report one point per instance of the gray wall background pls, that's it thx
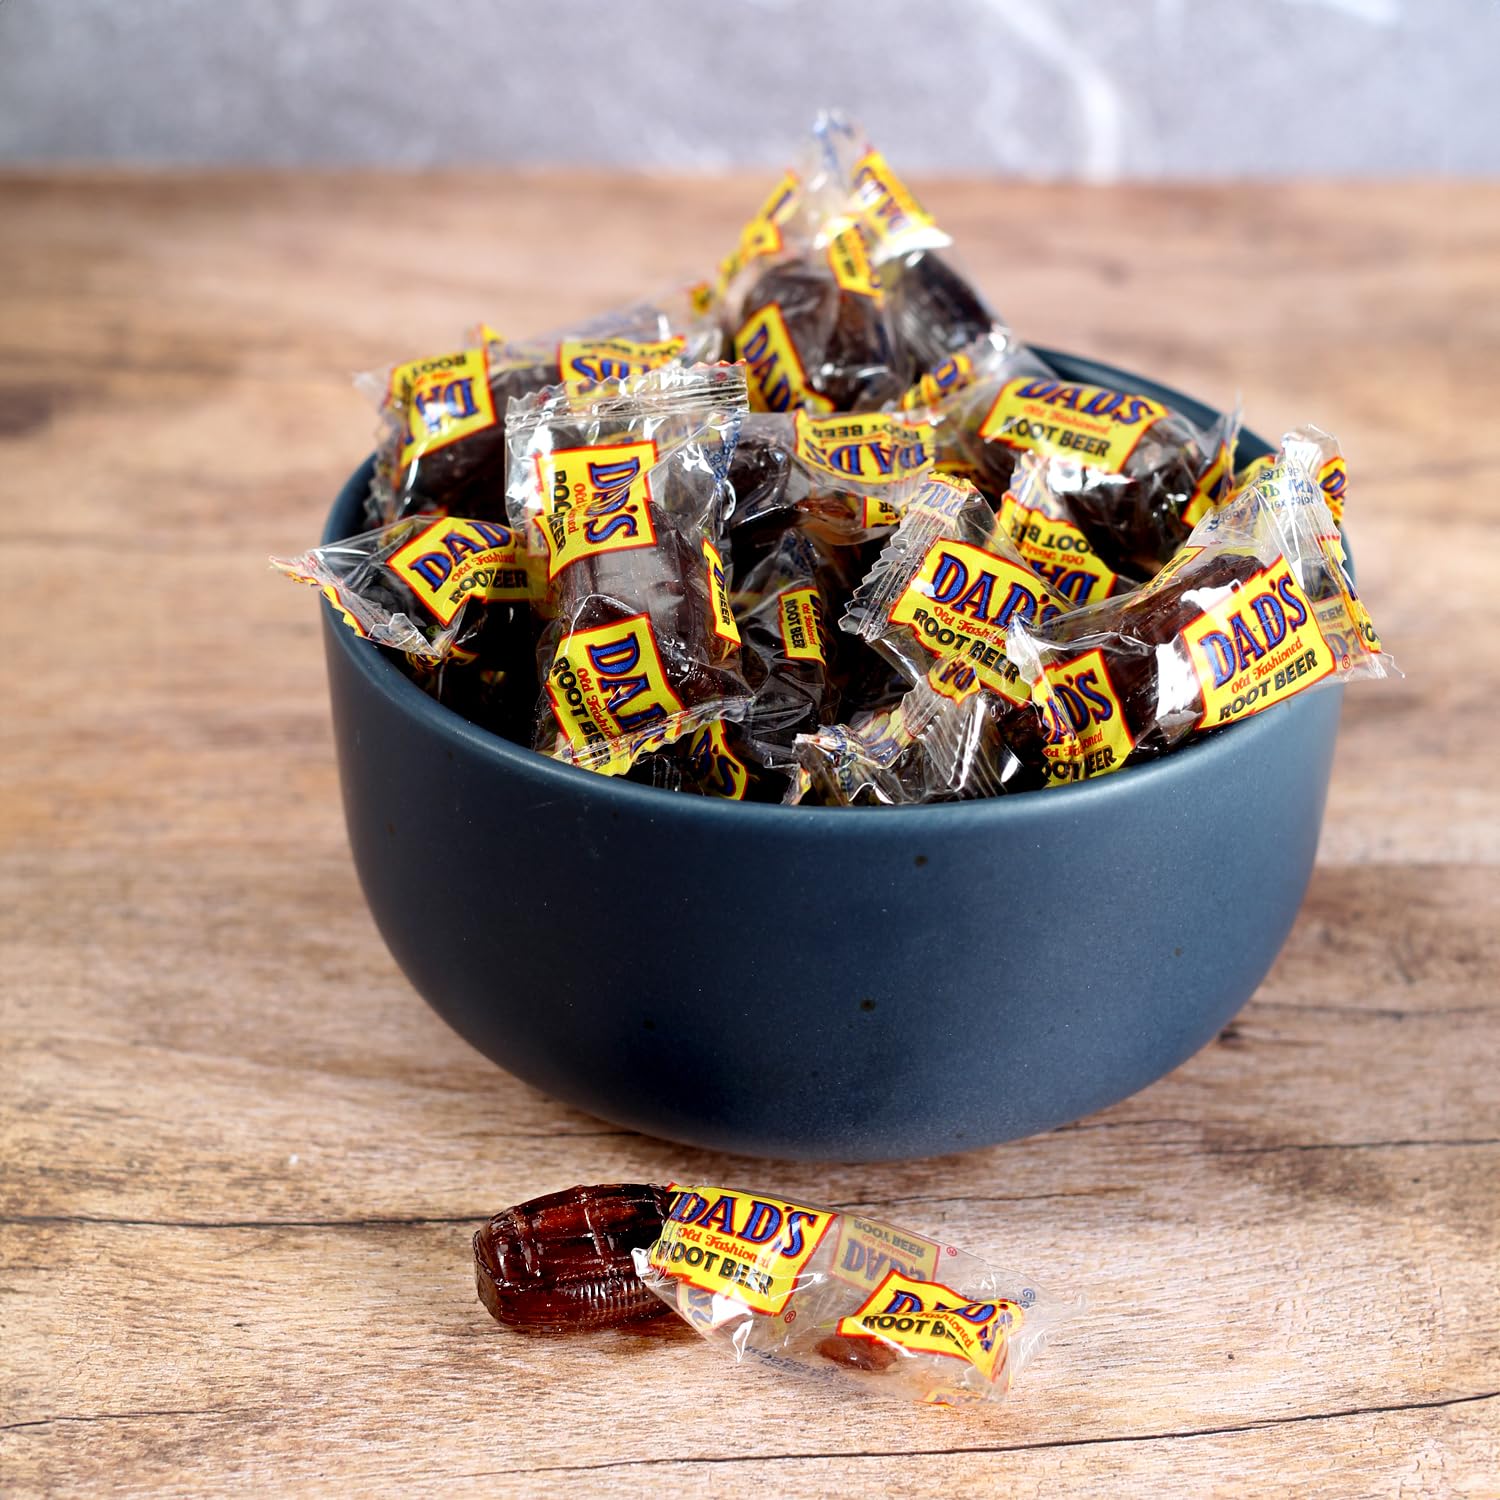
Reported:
(1097, 89)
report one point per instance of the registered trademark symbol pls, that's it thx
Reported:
(949, 1250)
(789, 1315)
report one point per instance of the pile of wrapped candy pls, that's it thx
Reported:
(826, 531)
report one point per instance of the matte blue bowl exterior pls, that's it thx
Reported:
(825, 983)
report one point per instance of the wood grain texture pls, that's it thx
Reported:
(241, 1158)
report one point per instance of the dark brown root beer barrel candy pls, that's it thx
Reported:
(625, 487)
(935, 311)
(563, 1263)
(1256, 608)
(441, 447)
(422, 585)
(802, 303)
(1132, 473)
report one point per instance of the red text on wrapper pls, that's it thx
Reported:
(1096, 426)
(452, 561)
(961, 601)
(747, 1249)
(611, 695)
(928, 1318)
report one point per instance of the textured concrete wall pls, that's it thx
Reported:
(1092, 88)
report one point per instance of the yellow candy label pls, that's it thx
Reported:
(718, 594)
(849, 259)
(450, 562)
(891, 211)
(1259, 645)
(716, 769)
(866, 448)
(961, 602)
(952, 677)
(611, 695)
(1059, 552)
(762, 235)
(866, 1252)
(1333, 479)
(750, 1250)
(1210, 489)
(445, 398)
(885, 735)
(331, 593)
(700, 297)
(1346, 626)
(595, 500)
(1083, 720)
(926, 1317)
(800, 615)
(941, 381)
(774, 370)
(588, 362)
(1086, 422)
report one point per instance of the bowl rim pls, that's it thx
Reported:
(1203, 754)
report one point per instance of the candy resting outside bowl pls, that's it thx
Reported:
(853, 984)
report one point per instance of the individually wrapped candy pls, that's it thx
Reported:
(947, 586)
(1255, 609)
(935, 311)
(829, 1292)
(624, 484)
(420, 586)
(678, 328)
(975, 743)
(875, 759)
(783, 614)
(803, 304)
(1318, 452)
(441, 442)
(1130, 469)
(1089, 540)
(838, 476)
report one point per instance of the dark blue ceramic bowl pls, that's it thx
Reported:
(835, 983)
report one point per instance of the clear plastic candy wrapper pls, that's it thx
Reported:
(623, 485)
(875, 759)
(936, 311)
(441, 444)
(803, 304)
(1130, 474)
(888, 556)
(784, 617)
(420, 586)
(840, 477)
(841, 1295)
(1318, 452)
(1258, 607)
(946, 588)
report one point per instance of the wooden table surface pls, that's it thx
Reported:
(242, 1159)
